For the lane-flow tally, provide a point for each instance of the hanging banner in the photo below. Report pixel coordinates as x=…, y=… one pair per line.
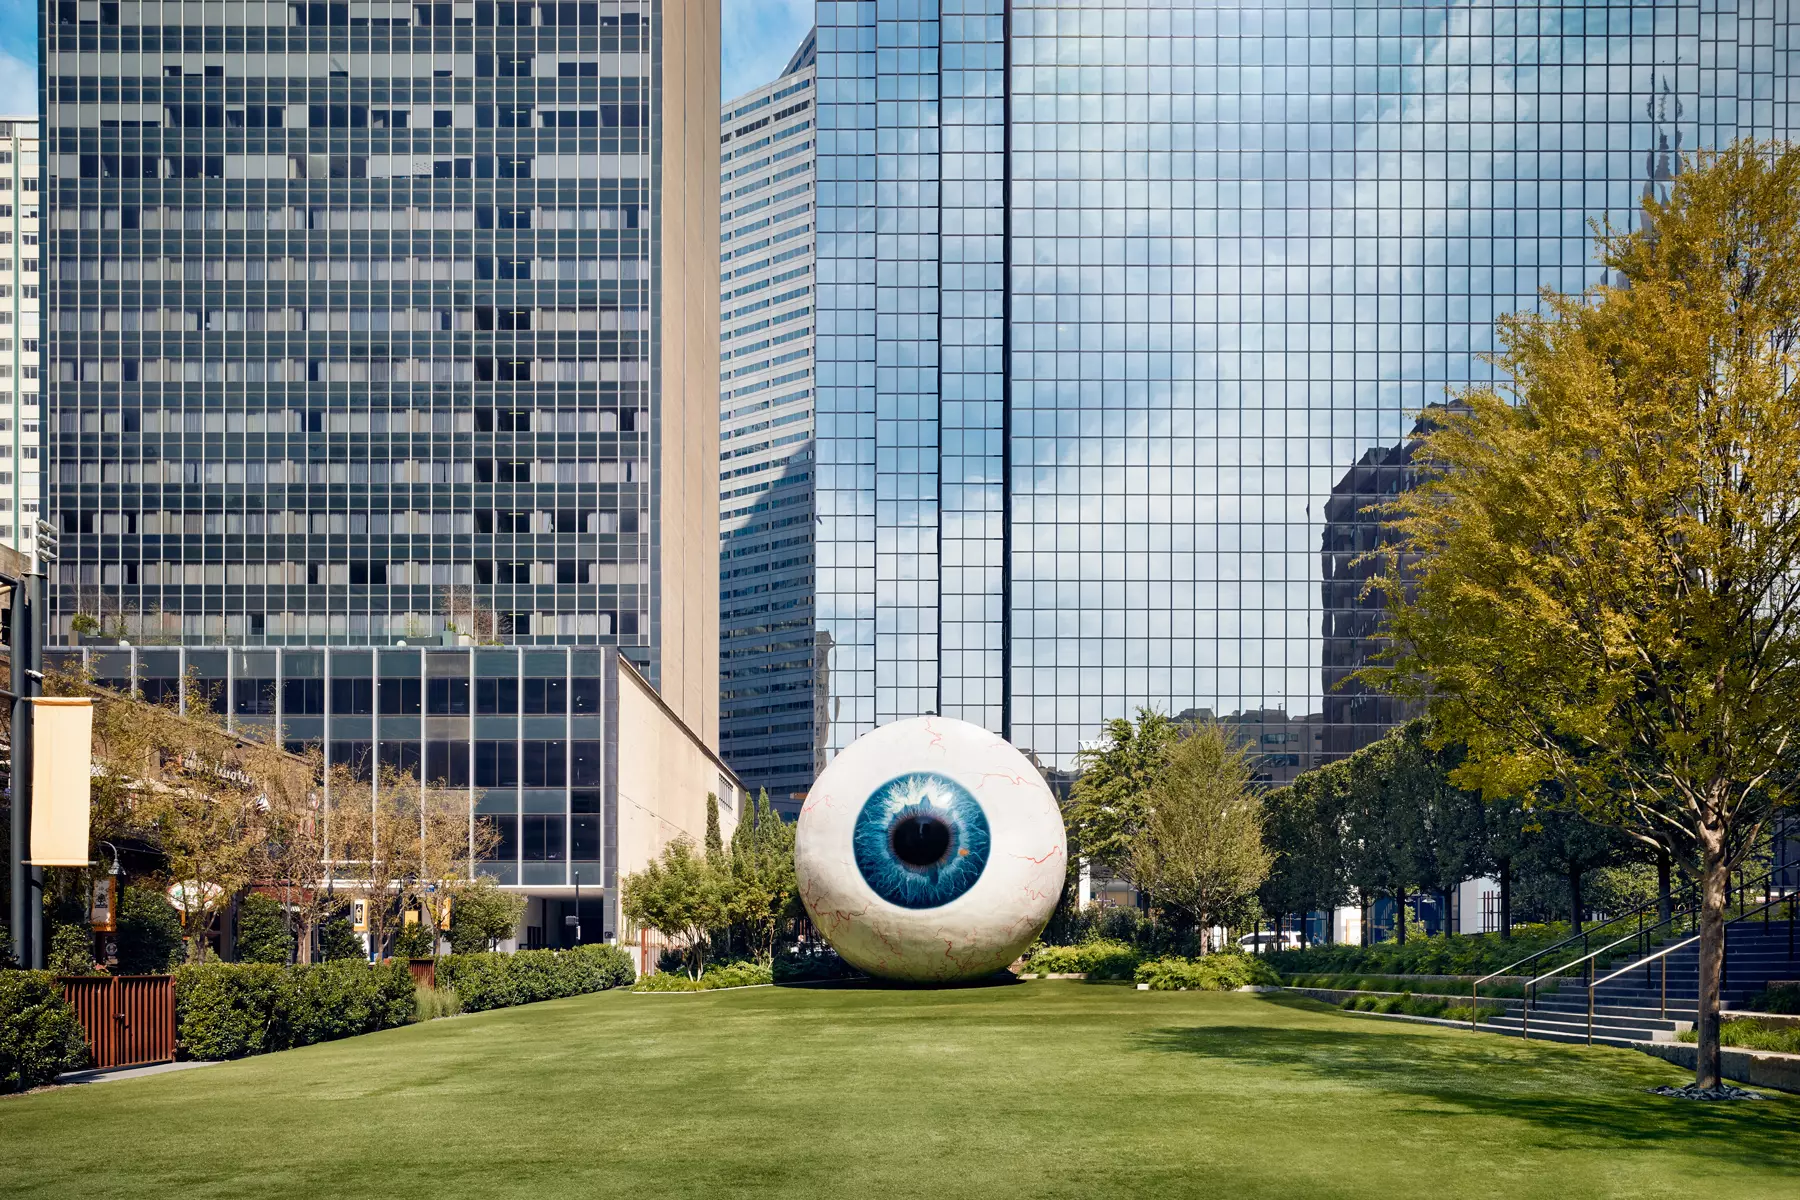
x=62, y=739
x=104, y=905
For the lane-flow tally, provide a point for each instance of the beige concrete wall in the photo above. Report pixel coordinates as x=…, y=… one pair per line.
x=665, y=773
x=687, y=601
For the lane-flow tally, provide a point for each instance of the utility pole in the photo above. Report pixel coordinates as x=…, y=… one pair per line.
x=27, y=654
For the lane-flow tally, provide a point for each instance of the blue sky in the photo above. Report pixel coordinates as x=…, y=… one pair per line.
x=759, y=35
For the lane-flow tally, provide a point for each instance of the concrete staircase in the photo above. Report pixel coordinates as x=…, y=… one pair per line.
x=1635, y=1006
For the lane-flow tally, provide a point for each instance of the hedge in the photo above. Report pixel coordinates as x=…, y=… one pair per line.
x=39, y=1035
x=492, y=980
x=728, y=975
x=1416, y=1006
x=1221, y=972
x=1098, y=959
x=1461, y=954
x=230, y=1010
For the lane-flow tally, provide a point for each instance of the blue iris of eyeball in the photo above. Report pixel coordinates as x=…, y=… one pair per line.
x=930, y=850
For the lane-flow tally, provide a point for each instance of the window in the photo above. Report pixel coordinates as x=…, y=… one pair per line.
x=584, y=764
x=506, y=828
x=253, y=697
x=358, y=756
x=584, y=826
x=400, y=697
x=542, y=838
x=447, y=763
x=497, y=696
x=447, y=697
x=544, y=764
x=496, y=764
x=584, y=695
x=352, y=696
x=546, y=696
x=303, y=697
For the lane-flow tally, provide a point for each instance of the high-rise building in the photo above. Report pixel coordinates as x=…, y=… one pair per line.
x=1111, y=295
x=20, y=417
x=377, y=325
x=369, y=321
x=767, y=726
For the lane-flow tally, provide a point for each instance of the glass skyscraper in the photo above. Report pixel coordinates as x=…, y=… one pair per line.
x=1115, y=298
x=767, y=138
x=386, y=321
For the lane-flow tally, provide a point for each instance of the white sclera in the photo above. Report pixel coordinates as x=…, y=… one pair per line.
x=978, y=932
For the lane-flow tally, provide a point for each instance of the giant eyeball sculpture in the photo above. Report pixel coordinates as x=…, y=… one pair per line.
x=930, y=850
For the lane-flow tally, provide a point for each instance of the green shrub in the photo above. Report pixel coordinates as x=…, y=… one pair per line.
x=1098, y=959
x=1220, y=972
x=1782, y=998
x=1422, y=1006
x=71, y=950
x=231, y=1010
x=794, y=964
x=1461, y=954
x=727, y=975
x=487, y=980
x=1386, y=983
x=414, y=941
x=149, y=933
x=338, y=940
x=39, y=1035
x=262, y=932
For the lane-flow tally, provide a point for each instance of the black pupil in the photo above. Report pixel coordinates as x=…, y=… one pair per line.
x=921, y=840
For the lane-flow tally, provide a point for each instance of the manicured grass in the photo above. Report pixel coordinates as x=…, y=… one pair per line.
x=1038, y=1089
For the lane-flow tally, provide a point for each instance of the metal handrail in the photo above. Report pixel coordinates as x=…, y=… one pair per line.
x=1690, y=909
x=1788, y=897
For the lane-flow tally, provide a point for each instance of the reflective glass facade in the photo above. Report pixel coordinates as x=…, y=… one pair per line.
x=1115, y=298
x=766, y=311
x=369, y=319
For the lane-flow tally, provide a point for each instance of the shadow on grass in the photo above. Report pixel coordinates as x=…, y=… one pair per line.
x=1594, y=1097
x=866, y=983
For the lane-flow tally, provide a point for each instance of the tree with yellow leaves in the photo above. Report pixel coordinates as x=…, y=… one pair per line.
x=1596, y=583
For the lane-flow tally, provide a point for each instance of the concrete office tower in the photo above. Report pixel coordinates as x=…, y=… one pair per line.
x=20, y=416
x=767, y=728
x=1111, y=295
x=372, y=321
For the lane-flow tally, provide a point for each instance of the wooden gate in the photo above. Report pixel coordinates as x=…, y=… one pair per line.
x=129, y=1020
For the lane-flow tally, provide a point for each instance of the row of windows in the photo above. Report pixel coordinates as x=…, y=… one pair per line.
x=391, y=697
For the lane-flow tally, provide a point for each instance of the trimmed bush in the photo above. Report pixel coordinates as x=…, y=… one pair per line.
x=1462, y=954
x=149, y=933
x=1098, y=959
x=729, y=975
x=232, y=1010
x=1224, y=971
x=486, y=980
x=1782, y=998
x=1388, y=983
x=262, y=932
x=39, y=1035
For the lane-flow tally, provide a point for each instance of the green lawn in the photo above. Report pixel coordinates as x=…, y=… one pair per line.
x=1039, y=1089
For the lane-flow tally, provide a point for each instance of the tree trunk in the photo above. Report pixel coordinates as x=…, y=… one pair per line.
x=1362, y=918
x=303, y=937
x=1400, y=914
x=1506, y=899
x=1445, y=918
x=1665, y=906
x=1714, y=881
x=1575, y=899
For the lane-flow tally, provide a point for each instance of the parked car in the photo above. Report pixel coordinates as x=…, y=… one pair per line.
x=1268, y=939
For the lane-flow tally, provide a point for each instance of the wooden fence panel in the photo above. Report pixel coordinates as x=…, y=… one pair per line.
x=129, y=1020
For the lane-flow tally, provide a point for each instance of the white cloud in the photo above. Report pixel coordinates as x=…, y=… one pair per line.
x=18, y=86
x=757, y=39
